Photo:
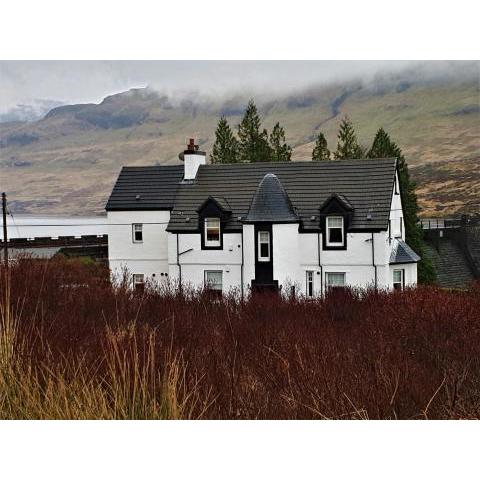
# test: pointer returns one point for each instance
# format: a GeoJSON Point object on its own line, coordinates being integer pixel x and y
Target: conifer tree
{"type": "Point", "coordinates": [280, 150]}
{"type": "Point", "coordinates": [225, 148]}
{"type": "Point", "coordinates": [253, 143]}
{"type": "Point", "coordinates": [320, 151]}
{"type": "Point", "coordinates": [383, 147]}
{"type": "Point", "coordinates": [348, 146]}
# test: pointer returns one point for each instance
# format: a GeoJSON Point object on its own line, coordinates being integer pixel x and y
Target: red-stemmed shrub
{"type": "Point", "coordinates": [352, 354]}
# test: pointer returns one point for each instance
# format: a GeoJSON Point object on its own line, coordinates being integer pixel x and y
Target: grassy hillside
{"type": "Point", "coordinates": [67, 162]}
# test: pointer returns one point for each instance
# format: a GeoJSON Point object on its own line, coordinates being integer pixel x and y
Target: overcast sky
{"type": "Point", "coordinates": [91, 81]}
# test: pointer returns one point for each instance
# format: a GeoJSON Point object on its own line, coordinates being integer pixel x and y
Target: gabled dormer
{"type": "Point", "coordinates": [336, 214]}
{"type": "Point", "coordinates": [213, 213]}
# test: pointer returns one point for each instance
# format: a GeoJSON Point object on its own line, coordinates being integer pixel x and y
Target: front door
{"type": "Point", "coordinates": [264, 257]}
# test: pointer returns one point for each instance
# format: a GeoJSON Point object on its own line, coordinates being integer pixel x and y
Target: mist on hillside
{"type": "Point", "coordinates": [222, 87]}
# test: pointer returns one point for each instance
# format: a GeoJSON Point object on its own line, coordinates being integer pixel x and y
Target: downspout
{"type": "Point", "coordinates": [179, 267]}
{"type": "Point", "coordinates": [241, 269]}
{"type": "Point", "coordinates": [320, 265]}
{"type": "Point", "coordinates": [373, 260]}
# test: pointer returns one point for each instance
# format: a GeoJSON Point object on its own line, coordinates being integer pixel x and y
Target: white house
{"type": "Point", "coordinates": [306, 225]}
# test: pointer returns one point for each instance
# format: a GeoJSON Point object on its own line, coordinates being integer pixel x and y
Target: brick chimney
{"type": "Point", "coordinates": [192, 158]}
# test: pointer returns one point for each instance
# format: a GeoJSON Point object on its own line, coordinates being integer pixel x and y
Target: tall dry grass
{"type": "Point", "coordinates": [122, 382]}
{"type": "Point", "coordinates": [72, 346]}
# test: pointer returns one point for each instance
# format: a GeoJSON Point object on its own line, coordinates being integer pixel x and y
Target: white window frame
{"type": "Point", "coordinates": [335, 244]}
{"type": "Point", "coordinates": [402, 278]}
{"type": "Point", "coordinates": [327, 283]}
{"type": "Point", "coordinates": [208, 284]}
{"type": "Point", "coordinates": [212, 243]}
{"type": "Point", "coordinates": [309, 280]}
{"type": "Point", "coordinates": [263, 242]}
{"type": "Point", "coordinates": [138, 279]}
{"type": "Point", "coordinates": [134, 231]}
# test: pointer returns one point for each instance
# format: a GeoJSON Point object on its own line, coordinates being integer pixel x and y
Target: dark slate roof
{"type": "Point", "coordinates": [146, 188]}
{"type": "Point", "coordinates": [402, 253]}
{"type": "Point", "coordinates": [271, 203]}
{"type": "Point", "coordinates": [368, 185]}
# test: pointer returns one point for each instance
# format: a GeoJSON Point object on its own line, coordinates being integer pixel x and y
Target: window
{"type": "Point", "coordinates": [213, 280]}
{"type": "Point", "coordinates": [212, 232]}
{"type": "Point", "coordinates": [398, 279]}
{"type": "Point", "coordinates": [396, 186]}
{"type": "Point", "coordinates": [263, 246]}
{"type": "Point", "coordinates": [137, 232]}
{"type": "Point", "coordinates": [334, 231]}
{"type": "Point", "coordinates": [138, 281]}
{"type": "Point", "coordinates": [335, 280]}
{"type": "Point", "coordinates": [309, 284]}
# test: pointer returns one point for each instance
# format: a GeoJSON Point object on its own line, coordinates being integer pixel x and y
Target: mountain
{"type": "Point", "coordinates": [29, 112]}
{"type": "Point", "coordinates": [67, 161]}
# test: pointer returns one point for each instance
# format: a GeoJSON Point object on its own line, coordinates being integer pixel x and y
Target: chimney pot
{"type": "Point", "coordinates": [191, 147]}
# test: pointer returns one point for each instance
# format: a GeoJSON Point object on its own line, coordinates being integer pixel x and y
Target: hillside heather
{"type": "Point", "coordinates": [72, 346]}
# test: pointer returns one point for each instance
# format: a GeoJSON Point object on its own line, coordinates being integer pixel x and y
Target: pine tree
{"type": "Point", "coordinates": [321, 151]}
{"type": "Point", "coordinates": [253, 143]}
{"type": "Point", "coordinates": [280, 150]}
{"type": "Point", "coordinates": [348, 146]}
{"type": "Point", "coordinates": [225, 148]}
{"type": "Point", "coordinates": [383, 147]}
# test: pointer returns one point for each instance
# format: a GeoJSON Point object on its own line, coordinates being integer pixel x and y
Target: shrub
{"type": "Point", "coordinates": [74, 346]}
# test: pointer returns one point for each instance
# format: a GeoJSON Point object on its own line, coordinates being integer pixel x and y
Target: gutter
{"type": "Point", "coordinates": [373, 261]}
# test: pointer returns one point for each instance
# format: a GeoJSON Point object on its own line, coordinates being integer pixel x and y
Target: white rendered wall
{"type": "Point", "coordinates": [149, 257]}
{"type": "Point", "coordinates": [396, 213]}
{"type": "Point", "coordinates": [286, 243]}
{"type": "Point", "coordinates": [294, 254]}
{"type": "Point", "coordinates": [194, 261]}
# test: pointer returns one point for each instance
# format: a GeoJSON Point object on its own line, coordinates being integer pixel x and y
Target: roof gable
{"type": "Point", "coordinates": [219, 203]}
{"type": "Point", "coordinates": [336, 202]}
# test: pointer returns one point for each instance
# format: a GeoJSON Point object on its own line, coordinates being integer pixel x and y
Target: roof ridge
{"type": "Point", "coordinates": [299, 162]}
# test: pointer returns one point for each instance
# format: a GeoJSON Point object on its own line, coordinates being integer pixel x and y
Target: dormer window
{"type": "Point", "coordinates": [335, 231]}
{"type": "Point", "coordinates": [213, 215]}
{"type": "Point", "coordinates": [212, 232]}
{"type": "Point", "coordinates": [336, 215]}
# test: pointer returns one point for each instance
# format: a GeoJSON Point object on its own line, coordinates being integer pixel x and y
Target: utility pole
{"type": "Point", "coordinates": [5, 247]}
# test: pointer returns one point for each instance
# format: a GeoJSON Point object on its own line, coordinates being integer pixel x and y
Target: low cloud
{"type": "Point", "coordinates": [90, 81]}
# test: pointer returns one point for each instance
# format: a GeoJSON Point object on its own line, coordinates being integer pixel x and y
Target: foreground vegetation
{"type": "Point", "coordinates": [71, 346]}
